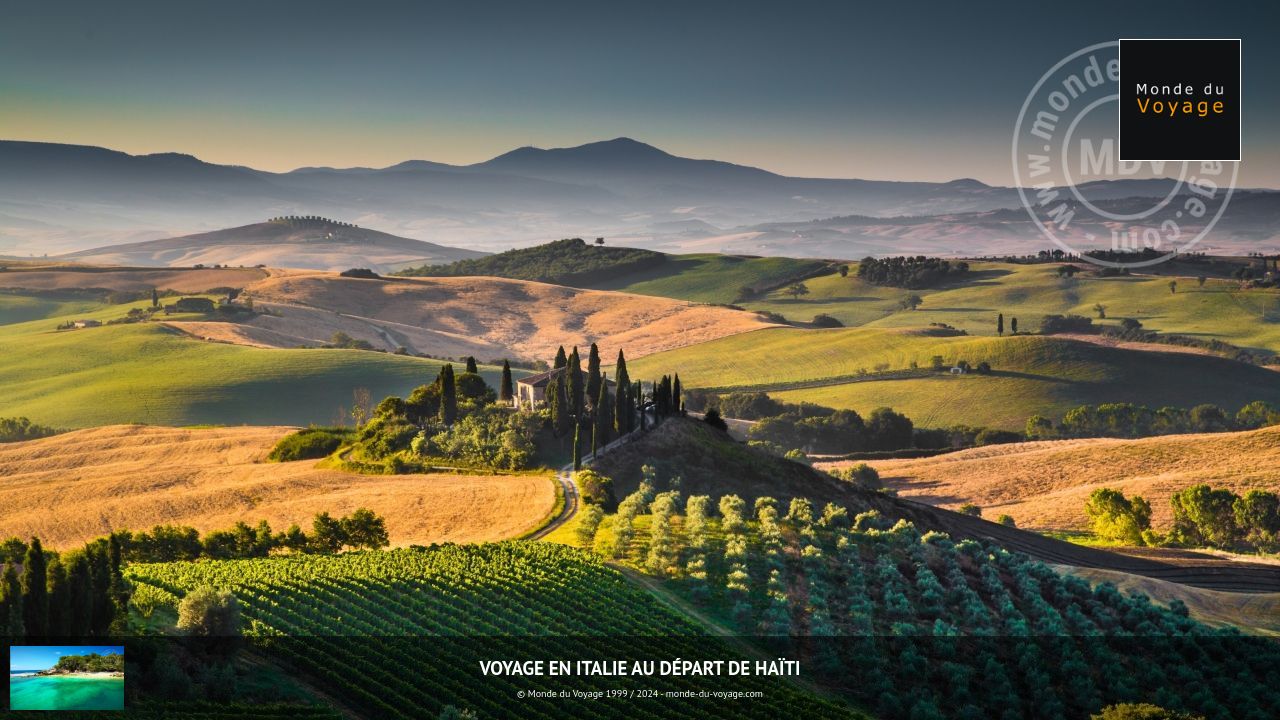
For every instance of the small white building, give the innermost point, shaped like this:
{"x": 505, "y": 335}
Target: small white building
{"x": 88, "y": 323}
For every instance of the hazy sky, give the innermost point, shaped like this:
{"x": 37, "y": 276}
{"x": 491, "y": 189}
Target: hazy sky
{"x": 877, "y": 90}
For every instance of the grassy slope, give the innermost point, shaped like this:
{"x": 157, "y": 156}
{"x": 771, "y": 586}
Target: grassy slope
{"x": 1033, "y": 374}
{"x": 709, "y": 277}
{"x": 24, "y": 308}
{"x": 152, "y": 374}
{"x": 1249, "y": 318}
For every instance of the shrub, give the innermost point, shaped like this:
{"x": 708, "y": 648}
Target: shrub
{"x": 209, "y": 613}
{"x": 712, "y": 418}
{"x": 1115, "y": 517}
{"x": 970, "y": 509}
{"x": 1051, "y": 324}
{"x": 823, "y": 320}
{"x": 1006, "y": 520}
{"x": 992, "y": 436}
{"x": 595, "y": 489}
{"x": 309, "y": 444}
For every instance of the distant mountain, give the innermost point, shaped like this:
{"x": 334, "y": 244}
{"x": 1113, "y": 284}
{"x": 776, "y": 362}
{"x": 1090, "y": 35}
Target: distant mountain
{"x": 316, "y": 244}
{"x": 65, "y": 198}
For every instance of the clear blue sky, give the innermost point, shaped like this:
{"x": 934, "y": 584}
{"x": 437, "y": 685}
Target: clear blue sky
{"x": 895, "y": 90}
{"x": 43, "y": 657}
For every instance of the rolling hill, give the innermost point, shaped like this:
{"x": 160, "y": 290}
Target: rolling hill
{"x": 487, "y": 317}
{"x": 152, "y": 373}
{"x": 704, "y": 277}
{"x": 1044, "y": 485}
{"x": 311, "y": 244}
{"x": 1220, "y": 308}
{"x": 1031, "y": 374}
{"x": 80, "y": 485}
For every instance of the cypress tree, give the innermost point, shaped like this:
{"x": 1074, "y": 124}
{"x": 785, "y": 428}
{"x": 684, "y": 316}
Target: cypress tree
{"x": 1000, "y": 324}
{"x": 505, "y": 390}
{"x": 677, "y": 401}
{"x": 448, "y": 395}
{"x": 35, "y": 591}
{"x": 1013, "y": 326}
{"x": 577, "y": 390}
{"x": 103, "y": 605}
{"x": 561, "y": 361}
{"x": 577, "y": 446}
{"x": 471, "y": 365}
{"x": 558, "y": 405}
{"x": 604, "y": 419}
{"x": 59, "y": 599}
{"x": 623, "y": 410}
{"x": 644, "y": 417}
{"x": 80, "y": 596}
{"x": 155, "y": 298}
{"x": 593, "y": 373}
{"x": 11, "y": 604}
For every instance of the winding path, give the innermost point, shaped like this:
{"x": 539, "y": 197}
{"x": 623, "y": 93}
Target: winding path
{"x": 565, "y": 478}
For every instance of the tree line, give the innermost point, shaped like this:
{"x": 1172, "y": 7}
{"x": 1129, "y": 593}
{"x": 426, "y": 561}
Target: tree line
{"x": 362, "y": 529}
{"x": 91, "y": 663}
{"x": 1127, "y": 420}
{"x": 912, "y": 272}
{"x": 44, "y": 593}
{"x": 1203, "y": 516}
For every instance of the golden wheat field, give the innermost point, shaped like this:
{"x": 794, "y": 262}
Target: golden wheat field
{"x": 481, "y": 316}
{"x": 80, "y": 485}
{"x": 1044, "y": 485}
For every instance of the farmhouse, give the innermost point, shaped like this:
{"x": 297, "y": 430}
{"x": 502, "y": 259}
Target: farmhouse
{"x": 531, "y": 390}
{"x": 191, "y": 304}
{"x": 87, "y": 323}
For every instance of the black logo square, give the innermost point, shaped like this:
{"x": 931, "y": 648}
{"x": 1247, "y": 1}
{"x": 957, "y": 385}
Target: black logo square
{"x": 1180, "y": 100}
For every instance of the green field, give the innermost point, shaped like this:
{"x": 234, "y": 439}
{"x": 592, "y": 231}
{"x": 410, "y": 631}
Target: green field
{"x": 23, "y": 308}
{"x": 150, "y": 373}
{"x": 710, "y": 278}
{"x": 1248, "y": 318}
{"x": 1031, "y": 374}
{"x": 401, "y": 633}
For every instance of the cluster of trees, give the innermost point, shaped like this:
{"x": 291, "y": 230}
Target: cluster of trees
{"x": 909, "y": 272}
{"x": 1127, "y": 420}
{"x": 811, "y": 428}
{"x": 455, "y": 417}
{"x": 76, "y": 594}
{"x": 310, "y": 220}
{"x": 581, "y": 404}
{"x": 1203, "y": 516}
{"x": 1054, "y": 324}
{"x": 362, "y": 529}
{"x": 840, "y": 431}
{"x": 563, "y": 262}
{"x": 343, "y": 341}
{"x": 91, "y": 663}
{"x": 17, "y": 429}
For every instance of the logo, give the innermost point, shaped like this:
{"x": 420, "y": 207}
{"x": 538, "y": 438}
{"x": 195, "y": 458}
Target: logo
{"x": 1082, "y": 196}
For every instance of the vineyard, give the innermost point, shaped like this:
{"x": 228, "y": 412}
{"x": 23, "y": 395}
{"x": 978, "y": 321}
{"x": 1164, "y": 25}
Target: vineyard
{"x": 401, "y": 633}
{"x": 917, "y": 626}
